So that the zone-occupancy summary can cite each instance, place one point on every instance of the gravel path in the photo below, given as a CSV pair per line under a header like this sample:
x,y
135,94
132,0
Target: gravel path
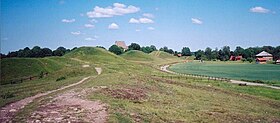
x,y
164,68
9,111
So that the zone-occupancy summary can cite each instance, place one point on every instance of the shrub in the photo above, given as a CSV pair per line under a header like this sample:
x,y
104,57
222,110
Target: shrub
x,y
250,60
60,78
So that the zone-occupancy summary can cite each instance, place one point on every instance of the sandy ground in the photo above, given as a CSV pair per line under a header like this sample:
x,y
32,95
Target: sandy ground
x,y
164,68
9,111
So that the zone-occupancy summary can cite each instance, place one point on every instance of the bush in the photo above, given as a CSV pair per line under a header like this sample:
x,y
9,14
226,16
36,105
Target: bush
x,y
7,95
60,78
250,60
243,59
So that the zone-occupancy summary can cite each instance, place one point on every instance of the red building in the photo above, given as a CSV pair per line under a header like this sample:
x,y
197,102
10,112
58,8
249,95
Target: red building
x,y
235,58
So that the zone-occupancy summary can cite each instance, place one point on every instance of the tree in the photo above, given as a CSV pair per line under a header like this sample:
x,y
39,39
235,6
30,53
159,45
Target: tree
x,y
199,55
27,52
115,49
134,46
186,51
239,51
60,51
208,53
165,49
101,47
46,52
226,50
36,51
146,49
215,54
153,48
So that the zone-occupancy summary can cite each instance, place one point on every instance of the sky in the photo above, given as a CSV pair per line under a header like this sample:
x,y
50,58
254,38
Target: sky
x,y
196,24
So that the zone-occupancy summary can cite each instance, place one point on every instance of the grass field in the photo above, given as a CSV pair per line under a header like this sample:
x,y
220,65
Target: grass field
x,y
136,91
269,73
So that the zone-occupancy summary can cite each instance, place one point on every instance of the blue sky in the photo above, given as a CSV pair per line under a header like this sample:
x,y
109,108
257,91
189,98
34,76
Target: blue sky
x,y
173,23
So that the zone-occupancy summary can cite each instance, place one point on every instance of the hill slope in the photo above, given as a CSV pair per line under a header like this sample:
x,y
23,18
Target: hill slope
x,y
161,54
137,56
94,55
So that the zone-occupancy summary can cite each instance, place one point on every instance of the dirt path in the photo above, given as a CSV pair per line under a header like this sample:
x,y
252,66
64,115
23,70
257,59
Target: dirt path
x,y
8,112
70,107
164,68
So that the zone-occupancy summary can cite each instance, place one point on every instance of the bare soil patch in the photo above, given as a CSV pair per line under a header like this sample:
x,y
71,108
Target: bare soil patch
x,y
130,93
70,107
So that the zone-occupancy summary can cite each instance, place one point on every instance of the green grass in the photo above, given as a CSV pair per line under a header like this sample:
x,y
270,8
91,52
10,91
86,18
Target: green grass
x,y
136,55
268,73
166,100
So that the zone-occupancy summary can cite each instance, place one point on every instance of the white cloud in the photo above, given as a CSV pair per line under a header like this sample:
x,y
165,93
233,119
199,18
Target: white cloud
x,y
137,30
68,20
133,20
156,9
89,39
96,36
117,10
259,9
76,33
151,28
113,26
89,26
141,20
148,15
196,21
93,21
145,20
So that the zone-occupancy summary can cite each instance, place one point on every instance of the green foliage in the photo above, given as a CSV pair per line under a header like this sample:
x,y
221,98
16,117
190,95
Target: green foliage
x,y
60,78
165,49
250,60
60,51
115,49
148,49
134,46
186,51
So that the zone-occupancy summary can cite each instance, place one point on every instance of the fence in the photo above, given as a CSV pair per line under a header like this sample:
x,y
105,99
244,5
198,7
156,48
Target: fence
x,y
195,77
20,80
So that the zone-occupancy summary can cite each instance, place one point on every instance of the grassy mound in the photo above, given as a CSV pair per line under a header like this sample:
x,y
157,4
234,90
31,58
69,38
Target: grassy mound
x,y
161,54
14,68
137,56
94,55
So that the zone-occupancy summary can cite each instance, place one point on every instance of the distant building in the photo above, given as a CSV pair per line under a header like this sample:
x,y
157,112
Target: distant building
x,y
261,61
277,61
179,55
121,44
235,58
263,57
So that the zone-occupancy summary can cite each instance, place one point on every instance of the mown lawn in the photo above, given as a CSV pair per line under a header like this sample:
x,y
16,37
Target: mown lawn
x,y
269,73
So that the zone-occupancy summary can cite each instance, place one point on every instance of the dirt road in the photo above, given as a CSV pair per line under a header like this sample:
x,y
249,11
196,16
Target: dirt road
x,y
8,112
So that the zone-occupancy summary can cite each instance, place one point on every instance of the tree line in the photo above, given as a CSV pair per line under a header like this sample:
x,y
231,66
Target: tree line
x,y
148,49
224,53
37,52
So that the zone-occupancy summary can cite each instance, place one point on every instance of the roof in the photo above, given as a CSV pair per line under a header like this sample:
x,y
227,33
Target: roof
x,y
263,53
121,44
278,61
261,59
